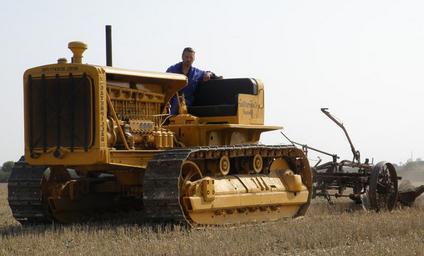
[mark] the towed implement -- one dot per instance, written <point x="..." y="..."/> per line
<point x="408" y="193"/>
<point x="373" y="186"/>
<point x="99" y="138"/>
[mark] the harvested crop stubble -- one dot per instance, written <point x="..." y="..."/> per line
<point x="326" y="230"/>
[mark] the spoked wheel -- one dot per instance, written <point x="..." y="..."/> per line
<point x="383" y="187"/>
<point x="190" y="171"/>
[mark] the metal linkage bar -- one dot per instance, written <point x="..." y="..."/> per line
<point x="72" y="114"/>
<point x="44" y="110"/>
<point x="58" y="112"/>
<point x="31" y="114"/>
<point x="85" y="116"/>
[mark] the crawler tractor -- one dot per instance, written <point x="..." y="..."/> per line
<point x="99" y="138"/>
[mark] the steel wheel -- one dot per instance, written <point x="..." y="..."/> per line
<point x="383" y="187"/>
<point x="190" y="172"/>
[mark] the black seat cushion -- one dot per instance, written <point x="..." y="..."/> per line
<point x="219" y="97"/>
<point x="213" y="110"/>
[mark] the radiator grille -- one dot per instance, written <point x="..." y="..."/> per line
<point x="60" y="112"/>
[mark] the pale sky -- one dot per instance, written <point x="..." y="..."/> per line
<point x="362" y="59"/>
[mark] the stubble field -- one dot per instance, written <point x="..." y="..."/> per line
<point x="325" y="230"/>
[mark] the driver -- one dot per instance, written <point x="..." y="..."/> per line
<point x="194" y="75"/>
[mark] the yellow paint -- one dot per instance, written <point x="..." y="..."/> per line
<point x="242" y="198"/>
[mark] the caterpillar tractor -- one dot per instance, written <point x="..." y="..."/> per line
<point x="99" y="139"/>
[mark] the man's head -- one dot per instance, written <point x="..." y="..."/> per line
<point x="188" y="56"/>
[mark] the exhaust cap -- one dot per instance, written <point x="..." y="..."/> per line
<point x="77" y="49"/>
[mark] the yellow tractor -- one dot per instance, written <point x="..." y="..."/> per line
<point x="99" y="138"/>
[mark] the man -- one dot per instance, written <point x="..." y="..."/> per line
<point x="194" y="75"/>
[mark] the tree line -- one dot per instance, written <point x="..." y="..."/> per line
<point x="5" y="170"/>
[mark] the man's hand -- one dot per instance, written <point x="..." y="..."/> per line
<point x="207" y="76"/>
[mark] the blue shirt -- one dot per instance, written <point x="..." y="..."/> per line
<point x="195" y="76"/>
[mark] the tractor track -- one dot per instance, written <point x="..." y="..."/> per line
<point x="161" y="196"/>
<point x="24" y="194"/>
<point x="161" y="188"/>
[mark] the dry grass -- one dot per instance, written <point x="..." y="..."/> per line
<point x="324" y="231"/>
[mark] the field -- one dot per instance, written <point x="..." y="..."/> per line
<point x="326" y="230"/>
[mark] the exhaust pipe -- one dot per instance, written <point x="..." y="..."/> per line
<point x="109" y="45"/>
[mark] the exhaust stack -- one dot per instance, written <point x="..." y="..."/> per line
<point x="109" y="45"/>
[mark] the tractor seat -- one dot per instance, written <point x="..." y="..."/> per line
<point x="220" y="97"/>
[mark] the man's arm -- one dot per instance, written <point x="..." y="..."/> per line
<point x="202" y="76"/>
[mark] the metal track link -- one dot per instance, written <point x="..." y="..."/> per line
<point x="24" y="194"/>
<point x="161" y="188"/>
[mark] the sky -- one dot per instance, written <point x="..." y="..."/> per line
<point x="364" y="60"/>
